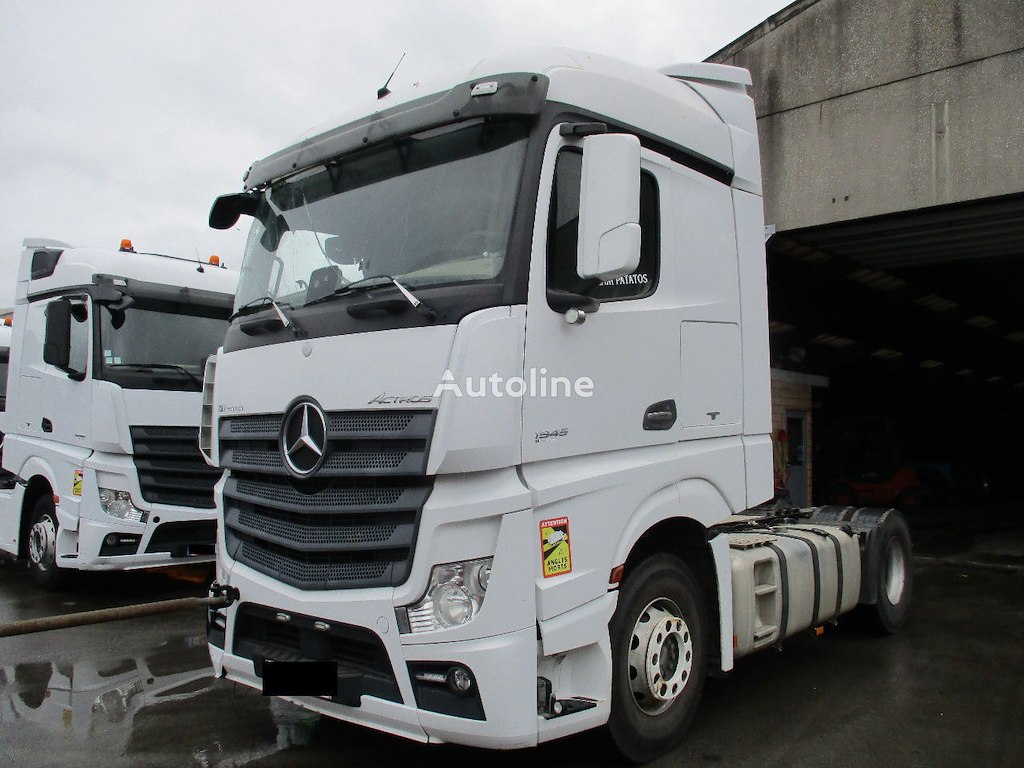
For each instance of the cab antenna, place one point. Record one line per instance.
(384, 90)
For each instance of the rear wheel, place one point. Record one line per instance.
(895, 576)
(42, 545)
(659, 658)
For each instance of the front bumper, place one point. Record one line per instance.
(181, 536)
(173, 534)
(504, 668)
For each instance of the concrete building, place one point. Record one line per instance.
(892, 144)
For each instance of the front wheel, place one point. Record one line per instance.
(42, 545)
(659, 658)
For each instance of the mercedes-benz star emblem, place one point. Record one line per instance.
(304, 439)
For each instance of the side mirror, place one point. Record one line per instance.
(609, 228)
(227, 208)
(57, 342)
(60, 314)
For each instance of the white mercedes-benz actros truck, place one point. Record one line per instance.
(495, 414)
(102, 468)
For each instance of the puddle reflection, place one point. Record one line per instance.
(164, 705)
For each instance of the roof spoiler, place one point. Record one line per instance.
(43, 242)
(718, 75)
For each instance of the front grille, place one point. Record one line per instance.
(353, 524)
(171, 468)
(362, 660)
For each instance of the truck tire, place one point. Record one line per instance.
(895, 576)
(659, 658)
(42, 545)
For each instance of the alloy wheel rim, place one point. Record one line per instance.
(660, 657)
(42, 542)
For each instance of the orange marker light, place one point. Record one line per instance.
(126, 245)
(616, 575)
(215, 260)
(8, 322)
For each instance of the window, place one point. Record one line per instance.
(432, 209)
(158, 344)
(562, 234)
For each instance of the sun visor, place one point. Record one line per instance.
(500, 95)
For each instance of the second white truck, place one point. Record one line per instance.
(100, 452)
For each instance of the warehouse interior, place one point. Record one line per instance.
(894, 184)
(915, 319)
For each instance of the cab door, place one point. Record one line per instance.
(64, 412)
(593, 386)
(662, 354)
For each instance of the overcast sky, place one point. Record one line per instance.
(126, 119)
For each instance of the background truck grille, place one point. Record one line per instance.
(171, 468)
(353, 524)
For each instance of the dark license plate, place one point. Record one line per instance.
(300, 678)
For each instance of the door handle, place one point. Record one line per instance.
(47, 425)
(660, 416)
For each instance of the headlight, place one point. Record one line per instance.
(119, 504)
(454, 596)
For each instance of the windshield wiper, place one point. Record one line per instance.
(159, 367)
(263, 301)
(367, 283)
(258, 303)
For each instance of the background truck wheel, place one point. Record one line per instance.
(895, 576)
(42, 545)
(659, 657)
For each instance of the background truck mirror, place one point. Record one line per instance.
(57, 343)
(609, 229)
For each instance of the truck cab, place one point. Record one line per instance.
(494, 404)
(103, 400)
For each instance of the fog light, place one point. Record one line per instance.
(120, 544)
(460, 680)
(447, 687)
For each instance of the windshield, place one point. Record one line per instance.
(158, 345)
(434, 208)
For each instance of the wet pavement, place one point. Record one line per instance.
(947, 691)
